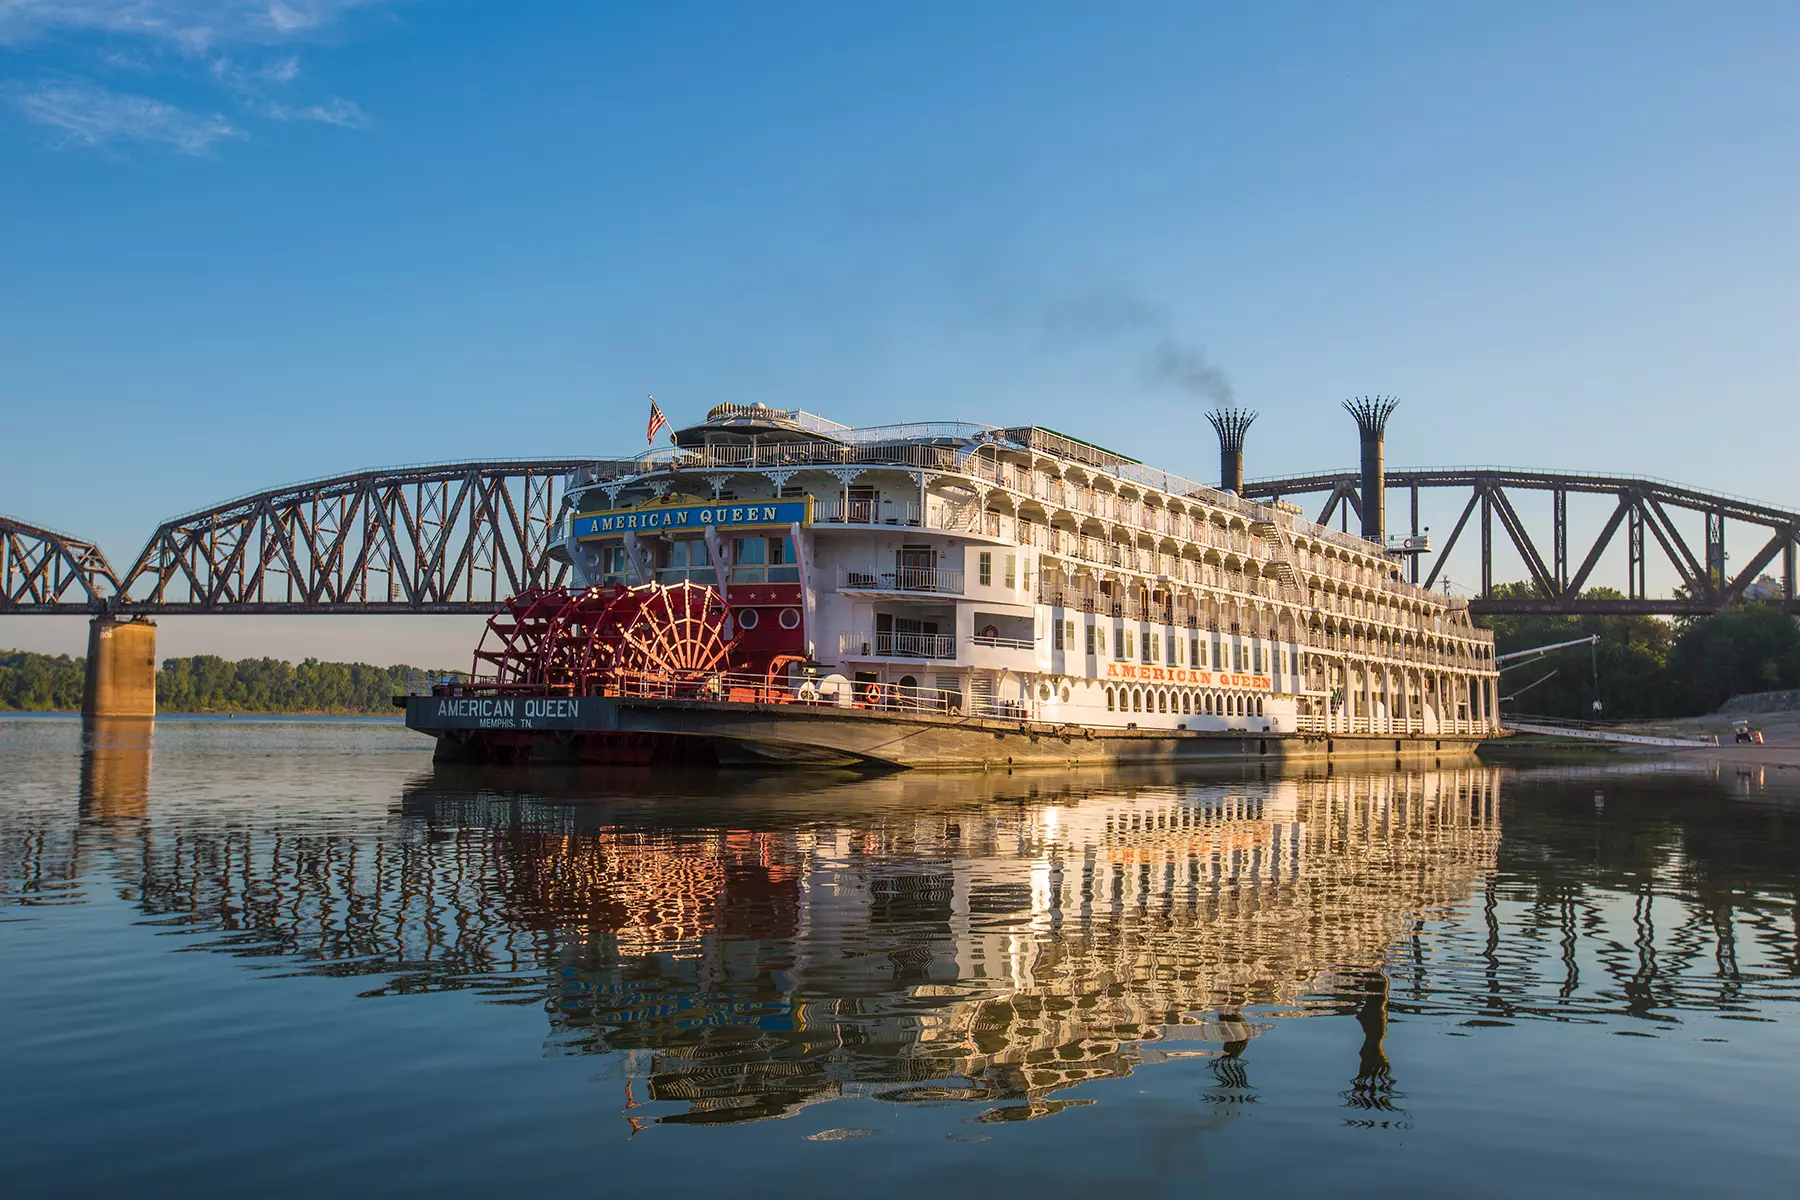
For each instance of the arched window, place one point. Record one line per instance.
(1137, 700)
(1259, 706)
(1185, 709)
(1109, 699)
(1162, 702)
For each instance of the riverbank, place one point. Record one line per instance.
(1780, 747)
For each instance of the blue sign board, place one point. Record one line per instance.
(735, 515)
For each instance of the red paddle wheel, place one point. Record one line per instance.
(512, 650)
(677, 632)
(601, 639)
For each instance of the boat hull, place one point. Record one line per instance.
(652, 732)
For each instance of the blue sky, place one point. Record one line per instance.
(244, 242)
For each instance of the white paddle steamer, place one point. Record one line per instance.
(778, 587)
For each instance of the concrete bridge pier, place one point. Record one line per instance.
(121, 668)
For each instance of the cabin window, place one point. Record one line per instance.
(1125, 650)
(1099, 632)
(985, 568)
(1196, 652)
(1149, 647)
(1173, 643)
(1012, 571)
(685, 558)
(614, 564)
(1090, 639)
(1256, 653)
(1056, 635)
(1069, 634)
(763, 560)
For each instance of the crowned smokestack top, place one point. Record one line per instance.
(1231, 424)
(1372, 413)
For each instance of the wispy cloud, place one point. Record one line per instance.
(197, 24)
(85, 114)
(247, 50)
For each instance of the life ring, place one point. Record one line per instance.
(872, 694)
(989, 631)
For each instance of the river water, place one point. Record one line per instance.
(291, 958)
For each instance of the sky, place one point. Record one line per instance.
(247, 242)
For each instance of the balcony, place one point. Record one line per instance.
(897, 645)
(930, 581)
(1004, 643)
(866, 512)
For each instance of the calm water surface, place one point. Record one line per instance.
(286, 958)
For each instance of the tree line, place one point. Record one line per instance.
(208, 683)
(1645, 666)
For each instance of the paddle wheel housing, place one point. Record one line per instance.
(605, 639)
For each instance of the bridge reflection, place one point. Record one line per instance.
(744, 953)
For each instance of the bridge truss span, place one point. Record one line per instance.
(42, 570)
(1652, 520)
(446, 538)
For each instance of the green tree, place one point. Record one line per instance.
(40, 683)
(1625, 673)
(208, 683)
(1748, 648)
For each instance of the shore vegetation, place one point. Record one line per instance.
(1645, 667)
(206, 683)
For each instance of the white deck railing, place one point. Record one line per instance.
(926, 580)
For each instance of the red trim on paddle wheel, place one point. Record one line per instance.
(580, 643)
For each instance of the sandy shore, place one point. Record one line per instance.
(1780, 748)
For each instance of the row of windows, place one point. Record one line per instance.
(984, 569)
(750, 559)
(1174, 650)
(1186, 703)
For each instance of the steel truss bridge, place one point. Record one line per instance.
(1652, 513)
(445, 538)
(460, 538)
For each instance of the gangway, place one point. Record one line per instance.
(1537, 652)
(1588, 731)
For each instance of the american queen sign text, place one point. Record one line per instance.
(1227, 679)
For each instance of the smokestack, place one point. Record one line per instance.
(1371, 413)
(1231, 424)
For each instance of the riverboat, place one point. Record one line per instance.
(777, 588)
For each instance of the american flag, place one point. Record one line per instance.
(658, 422)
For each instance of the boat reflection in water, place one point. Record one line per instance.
(932, 938)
